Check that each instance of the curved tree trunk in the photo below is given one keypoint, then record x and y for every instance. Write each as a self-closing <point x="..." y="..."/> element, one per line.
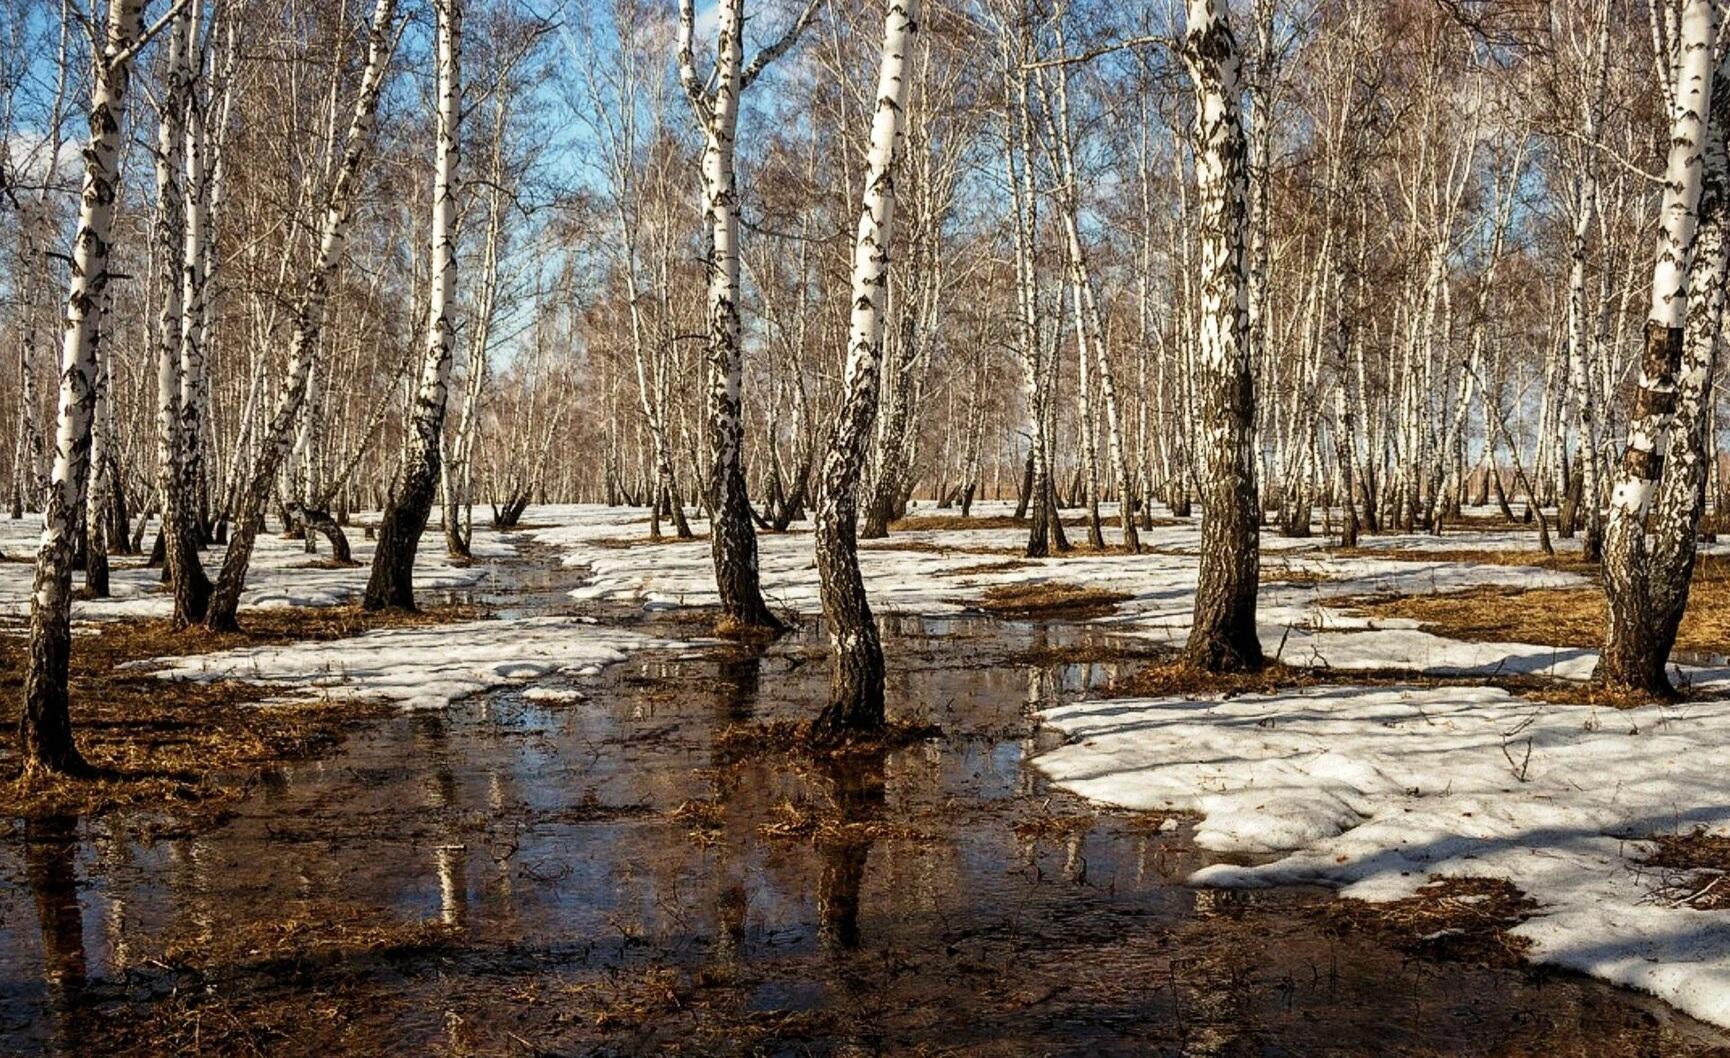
<point x="856" y="667"/>
<point x="45" y="724"/>
<point x="391" y="583"/>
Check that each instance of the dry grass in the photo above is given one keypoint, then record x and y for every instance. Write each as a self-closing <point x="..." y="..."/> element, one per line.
<point x="1125" y="652"/>
<point x="824" y="824"/>
<point x="1009" y="566"/>
<point x="331" y="563"/>
<point x="926" y="547"/>
<point x="1055" y="824"/>
<point x="929" y="523"/>
<point x="1567" y="561"/>
<point x="1449" y="918"/>
<point x="1177" y="678"/>
<point x="1284" y="574"/>
<point x="182" y="752"/>
<point x="793" y="737"/>
<point x="1693" y="870"/>
<point x="310" y="931"/>
<point x="730" y="628"/>
<point x="1083" y="549"/>
<point x="1561" y="617"/>
<point x="705" y="819"/>
<point x="1050" y="600"/>
<point x="625" y="543"/>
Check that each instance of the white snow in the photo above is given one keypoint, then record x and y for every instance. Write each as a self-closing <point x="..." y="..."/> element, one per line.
<point x="1376" y="789"/>
<point x="281" y="574"/>
<point x="424" y="667"/>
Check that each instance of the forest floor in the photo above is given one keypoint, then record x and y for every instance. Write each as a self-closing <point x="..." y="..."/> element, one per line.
<point x="555" y="816"/>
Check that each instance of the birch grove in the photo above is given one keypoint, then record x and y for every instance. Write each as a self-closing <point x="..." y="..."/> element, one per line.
<point x="1316" y="270"/>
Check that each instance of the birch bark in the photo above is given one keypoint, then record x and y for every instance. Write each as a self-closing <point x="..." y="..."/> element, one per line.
<point x="391" y="583"/>
<point x="856" y="675"/>
<point x="1223" y="635"/>
<point x="1634" y="652"/>
<point x="45" y="723"/>
<point x="732" y="538"/>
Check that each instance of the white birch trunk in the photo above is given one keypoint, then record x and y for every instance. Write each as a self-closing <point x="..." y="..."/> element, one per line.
<point x="391" y="583"/>
<point x="1223" y="635"/>
<point x="45" y="726"/>
<point x="1634" y="655"/>
<point x="856" y="686"/>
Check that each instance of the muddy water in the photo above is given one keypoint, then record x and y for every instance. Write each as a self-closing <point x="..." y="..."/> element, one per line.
<point x="628" y="875"/>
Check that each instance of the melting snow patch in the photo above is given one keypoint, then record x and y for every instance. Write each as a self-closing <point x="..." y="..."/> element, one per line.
<point x="1376" y="789"/>
<point x="422" y="667"/>
<point x="554" y="694"/>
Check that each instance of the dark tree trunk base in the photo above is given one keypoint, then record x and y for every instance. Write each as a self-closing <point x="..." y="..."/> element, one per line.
<point x="855" y="711"/>
<point x="322" y="523"/>
<point x="390" y="586"/>
<point x="1225" y="653"/>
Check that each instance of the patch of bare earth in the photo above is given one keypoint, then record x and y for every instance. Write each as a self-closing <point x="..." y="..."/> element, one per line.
<point x="1296" y="575"/>
<point x="1566" y="561"/>
<point x="1690" y="870"/>
<point x="1051" y="600"/>
<point x="181" y="752"/>
<point x="927" y="547"/>
<point x="1449" y="918"/>
<point x="625" y="543"/>
<point x="937" y="523"/>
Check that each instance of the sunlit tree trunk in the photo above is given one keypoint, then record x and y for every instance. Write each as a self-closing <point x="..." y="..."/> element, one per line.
<point x="732" y="537"/>
<point x="1223" y="636"/>
<point x="856" y="674"/>
<point x="45" y="723"/>
<point x="391" y="583"/>
<point x="1635" y="646"/>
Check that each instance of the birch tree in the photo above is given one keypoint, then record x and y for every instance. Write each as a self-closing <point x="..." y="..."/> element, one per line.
<point x="856" y="652"/>
<point x="45" y="723"/>
<point x="1223" y="636"/>
<point x="391" y="583"/>
<point x="715" y="101"/>
<point x="1638" y="635"/>
<point x="181" y="220"/>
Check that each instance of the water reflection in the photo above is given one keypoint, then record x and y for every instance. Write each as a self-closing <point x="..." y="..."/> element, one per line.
<point x="856" y="787"/>
<point x="50" y="864"/>
<point x="612" y="876"/>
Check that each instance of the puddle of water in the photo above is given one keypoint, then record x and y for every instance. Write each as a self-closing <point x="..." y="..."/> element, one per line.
<point x="513" y="877"/>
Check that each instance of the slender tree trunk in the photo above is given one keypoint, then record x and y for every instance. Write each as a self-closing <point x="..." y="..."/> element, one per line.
<point x="391" y="584"/>
<point x="856" y="674"/>
<point x="1223" y="637"/>
<point x="732" y="537"/>
<point x="252" y="498"/>
<point x="45" y="741"/>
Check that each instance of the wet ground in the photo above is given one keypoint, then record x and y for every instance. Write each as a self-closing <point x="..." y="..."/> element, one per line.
<point x="643" y="872"/>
